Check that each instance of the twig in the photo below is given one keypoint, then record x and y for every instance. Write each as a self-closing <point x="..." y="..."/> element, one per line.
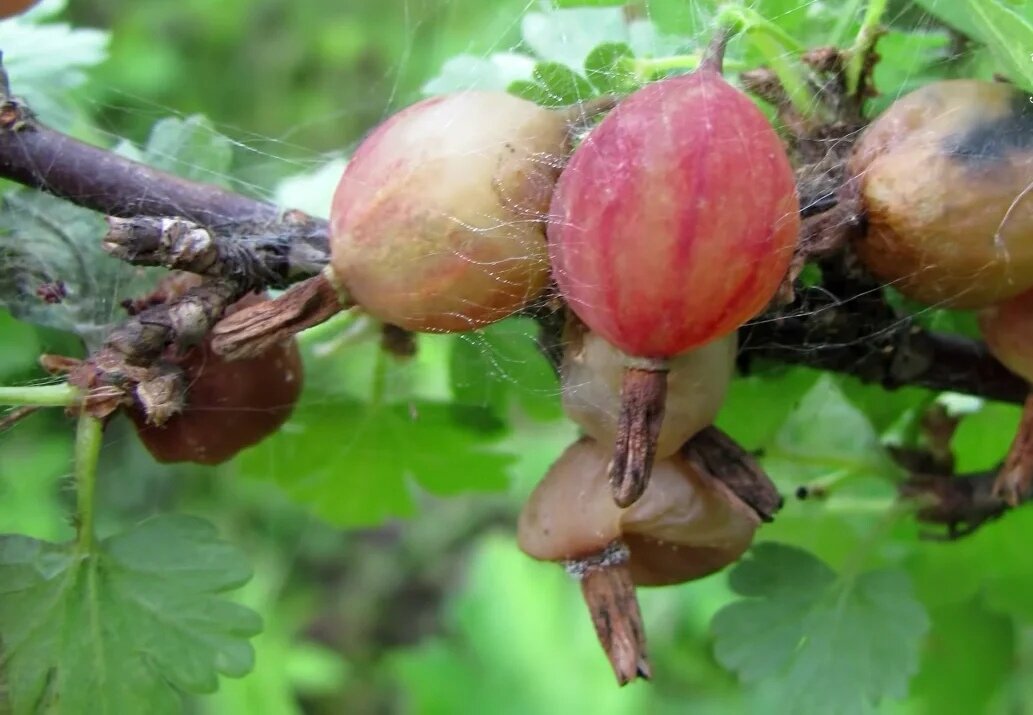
<point x="840" y="334"/>
<point x="960" y="503"/>
<point x="292" y="245"/>
<point x="849" y="335"/>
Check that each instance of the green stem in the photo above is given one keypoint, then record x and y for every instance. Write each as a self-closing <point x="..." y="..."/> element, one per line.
<point x="743" y="19"/>
<point x="863" y="43"/>
<point x="59" y="395"/>
<point x="88" y="438"/>
<point x="793" y="82"/>
<point x="847" y="15"/>
<point x="775" y="45"/>
<point x="856" y="560"/>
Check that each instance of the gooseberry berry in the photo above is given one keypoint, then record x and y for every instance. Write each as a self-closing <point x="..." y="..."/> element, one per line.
<point x="945" y="177"/>
<point x="672" y="225"/>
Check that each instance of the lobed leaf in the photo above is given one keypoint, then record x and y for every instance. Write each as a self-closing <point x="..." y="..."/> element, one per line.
<point x="825" y="644"/>
<point x="126" y="628"/>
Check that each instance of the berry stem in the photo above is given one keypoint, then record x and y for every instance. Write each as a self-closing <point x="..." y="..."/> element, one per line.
<point x="609" y="593"/>
<point x="59" y="395"/>
<point x="643" y="399"/>
<point x="88" y="437"/>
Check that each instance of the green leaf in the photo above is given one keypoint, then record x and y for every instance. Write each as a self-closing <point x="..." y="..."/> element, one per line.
<point x="563" y="85"/>
<point x="190" y="148"/>
<point x="907" y="61"/>
<point x="845" y="442"/>
<point x="993" y="561"/>
<point x="757" y="405"/>
<point x="983" y="437"/>
<point x="311" y="192"/>
<point x="959" y="631"/>
<point x="45" y="241"/>
<point x="125" y="629"/>
<point x="609" y="67"/>
<point x="21" y="346"/>
<point x="826" y="644"/>
<point x="355" y="463"/>
<point x="45" y="61"/>
<point x="531" y="91"/>
<point x="491" y="368"/>
<point x="1009" y="36"/>
<point x="465" y="72"/>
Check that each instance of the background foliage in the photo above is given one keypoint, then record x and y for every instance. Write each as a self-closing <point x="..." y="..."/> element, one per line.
<point x="366" y="612"/>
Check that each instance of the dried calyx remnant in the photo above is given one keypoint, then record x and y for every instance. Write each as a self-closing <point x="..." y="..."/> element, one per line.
<point x="658" y="254"/>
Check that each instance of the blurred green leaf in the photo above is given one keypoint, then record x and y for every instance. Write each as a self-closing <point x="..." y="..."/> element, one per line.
<point x="515" y="625"/>
<point x="967" y="644"/>
<point x="994" y="562"/>
<point x="45" y="241"/>
<point x="567" y="36"/>
<point x="609" y="67"/>
<point x="356" y="464"/>
<point x="21" y="346"/>
<point x="830" y="644"/>
<point x="908" y="61"/>
<point x="563" y="85"/>
<point x="1009" y="36"/>
<point x="46" y="61"/>
<point x="312" y="192"/>
<point x="982" y="438"/>
<point x="553" y="85"/>
<point x="123" y="629"/>
<point x="846" y="442"/>
<point x="757" y="405"/>
<point x="190" y="148"/>
<point x="531" y="91"/>
<point x="492" y="367"/>
<point x="588" y="3"/>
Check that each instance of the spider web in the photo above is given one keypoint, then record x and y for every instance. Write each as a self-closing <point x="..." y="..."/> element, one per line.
<point x="294" y="157"/>
<point x="517" y="39"/>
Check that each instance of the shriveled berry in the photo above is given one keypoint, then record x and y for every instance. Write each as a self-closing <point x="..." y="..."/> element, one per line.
<point x="945" y="176"/>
